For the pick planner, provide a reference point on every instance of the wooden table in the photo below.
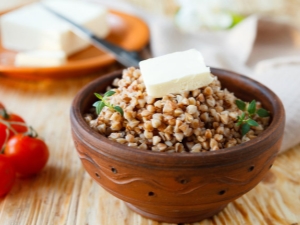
(63, 193)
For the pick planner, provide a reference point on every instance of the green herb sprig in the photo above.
(99, 105)
(245, 120)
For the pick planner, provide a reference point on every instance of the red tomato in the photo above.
(7, 175)
(3, 135)
(29, 155)
(14, 118)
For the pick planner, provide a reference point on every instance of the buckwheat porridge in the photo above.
(201, 120)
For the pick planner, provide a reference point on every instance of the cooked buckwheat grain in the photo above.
(194, 121)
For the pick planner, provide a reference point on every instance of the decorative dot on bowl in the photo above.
(114, 170)
(222, 192)
(150, 193)
(251, 168)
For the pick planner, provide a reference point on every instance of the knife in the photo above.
(126, 58)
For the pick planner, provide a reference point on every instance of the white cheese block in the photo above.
(32, 27)
(40, 58)
(175, 73)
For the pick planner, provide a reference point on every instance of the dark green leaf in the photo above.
(109, 93)
(242, 116)
(99, 107)
(245, 128)
(252, 123)
(96, 103)
(252, 107)
(118, 109)
(239, 123)
(263, 113)
(98, 96)
(240, 104)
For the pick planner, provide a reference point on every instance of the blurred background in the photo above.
(279, 9)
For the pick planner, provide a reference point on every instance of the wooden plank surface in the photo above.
(63, 193)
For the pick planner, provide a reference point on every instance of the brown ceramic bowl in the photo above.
(174, 187)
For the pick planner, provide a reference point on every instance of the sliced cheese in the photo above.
(32, 27)
(175, 73)
(40, 58)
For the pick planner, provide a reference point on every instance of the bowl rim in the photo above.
(277, 124)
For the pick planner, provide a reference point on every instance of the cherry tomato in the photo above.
(3, 135)
(28, 155)
(7, 175)
(11, 117)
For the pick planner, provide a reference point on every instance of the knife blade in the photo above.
(126, 58)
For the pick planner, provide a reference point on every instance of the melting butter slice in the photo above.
(32, 27)
(40, 58)
(175, 73)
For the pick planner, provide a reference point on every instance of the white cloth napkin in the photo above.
(265, 50)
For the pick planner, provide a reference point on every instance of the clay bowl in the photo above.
(172, 187)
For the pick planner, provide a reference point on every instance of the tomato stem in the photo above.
(32, 132)
(4, 114)
(6, 139)
(7, 124)
(18, 123)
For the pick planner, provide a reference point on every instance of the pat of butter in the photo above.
(40, 58)
(175, 73)
(32, 27)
